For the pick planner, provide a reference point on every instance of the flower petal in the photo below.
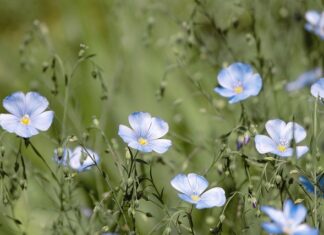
(252, 84)
(301, 150)
(305, 229)
(306, 184)
(197, 183)
(43, 120)
(83, 159)
(299, 133)
(313, 17)
(180, 182)
(275, 215)
(294, 212)
(127, 134)
(140, 122)
(264, 144)
(35, 104)
(212, 197)
(225, 92)
(238, 98)
(317, 89)
(186, 198)
(272, 228)
(9, 122)
(230, 76)
(143, 148)
(158, 128)
(26, 131)
(305, 79)
(15, 104)
(274, 128)
(160, 145)
(287, 153)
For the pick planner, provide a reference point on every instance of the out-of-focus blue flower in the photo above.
(315, 23)
(281, 135)
(192, 187)
(238, 82)
(307, 184)
(305, 79)
(27, 116)
(317, 89)
(83, 159)
(289, 221)
(146, 133)
(62, 156)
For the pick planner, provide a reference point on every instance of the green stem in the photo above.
(314, 150)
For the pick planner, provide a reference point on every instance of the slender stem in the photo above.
(189, 214)
(314, 150)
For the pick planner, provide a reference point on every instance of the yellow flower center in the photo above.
(238, 89)
(25, 120)
(281, 148)
(195, 198)
(142, 141)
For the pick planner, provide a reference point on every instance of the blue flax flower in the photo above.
(146, 133)
(308, 185)
(305, 79)
(315, 23)
(192, 187)
(289, 221)
(62, 156)
(317, 89)
(80, 159)
(238, 82)
(281, 136)
(27, 114)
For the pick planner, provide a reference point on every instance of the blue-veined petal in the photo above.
(317, 88)
(275, 215)
(43, 120)
(15, 104)
(9, 122)
(305, 229)
(158, 128)
(198, 183)
(294, 212)
(143, 148)
(238, 98)
(306, 184)
(264, 144)
(35, 104)
(274, 128)
(287, 153)
(240, 71)
(212, 197)
(180, 182)
(25, 131)
(127, 134)
(299, 133)
(225, 92)
(186, 198)
(140, 122)
(272, 228)
(252, 84)
(301, 150)
(160, 145)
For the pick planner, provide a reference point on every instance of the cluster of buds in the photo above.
(243, 140)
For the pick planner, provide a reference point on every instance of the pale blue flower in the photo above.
(315, 23)
(281, 136)
(289, 221)
(27, 114)
(308, 185)
(83, 159)
(238, 82)
(146, 133)
(317, 89)
(192, 187)
(305, 79)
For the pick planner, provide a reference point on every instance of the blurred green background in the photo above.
(160, 57)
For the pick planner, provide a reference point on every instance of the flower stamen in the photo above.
(142, 141)
(25, 120)
(281, 148)
(238, 89)
(195, 198)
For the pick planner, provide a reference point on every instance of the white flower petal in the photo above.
(301, 150)
(127, 134)
(158, 128)
(211, 198)
(140, 122)
(15, 104)
(9, 122)
(160, 145)
(264, 144)
(43, 120)
(181, 183)
(274, 128)
(198, 183)
(35, 104)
